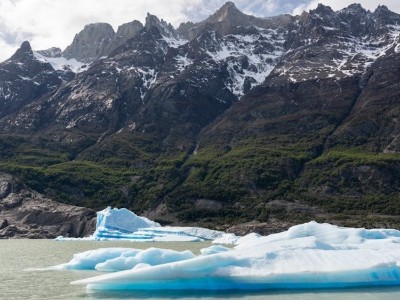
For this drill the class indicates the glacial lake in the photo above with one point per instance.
(17, 255)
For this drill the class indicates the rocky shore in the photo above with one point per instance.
(25, 213)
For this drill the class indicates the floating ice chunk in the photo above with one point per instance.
(227, 238)
(88, 260)
(194, 232)
(118, 259)
(214, 249)
(307, 256)
(149, 257)
(122, 219)
(122, 224)
(176, 238)
(248, 239)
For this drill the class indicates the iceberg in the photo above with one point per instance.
(122, 224)
(118, 259)
(114, 223)
(307, 256)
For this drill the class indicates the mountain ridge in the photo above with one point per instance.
(233, 119)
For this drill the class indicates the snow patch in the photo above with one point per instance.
(182, 62)
(245, 63)
(175, 43)
(61, 63)
(149, 77)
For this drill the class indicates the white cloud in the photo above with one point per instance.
(47, 23)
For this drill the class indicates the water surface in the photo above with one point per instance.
(17, 255)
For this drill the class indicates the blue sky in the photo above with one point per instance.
(47, 23)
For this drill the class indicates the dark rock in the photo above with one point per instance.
(125, 32)
(3, 224)
(91, 43)
(27, 214)
(53, 52)
(23, 79)
(260, 228)
(163, 27)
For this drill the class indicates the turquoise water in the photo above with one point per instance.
(17, 255)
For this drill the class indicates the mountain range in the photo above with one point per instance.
(236, 122)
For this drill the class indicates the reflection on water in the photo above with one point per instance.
(17, 255)
(381, 294)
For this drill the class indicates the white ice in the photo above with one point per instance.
(122, 219)
(307, 256)
(118, 259)
(122, 224)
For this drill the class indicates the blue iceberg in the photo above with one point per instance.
(307, 256)
(119, 259)
(122, 224)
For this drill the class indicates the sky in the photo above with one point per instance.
(48, 23)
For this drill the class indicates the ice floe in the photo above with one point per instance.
(306, 256)
(122, 224)
(118, 259)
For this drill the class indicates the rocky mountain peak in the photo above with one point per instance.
(225, 20)
(227, 12)
(165, 28)
(355, 8)
(383, 12)
(129, 30)
(323, 10)
(382, 8)
(383, 16)
(354, 13)
(24, 51)
(91, 43)
(24, 78)
(51, 52)
(229, 5)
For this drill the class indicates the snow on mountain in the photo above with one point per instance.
(61, 63)
(328, 44)
(249, 58)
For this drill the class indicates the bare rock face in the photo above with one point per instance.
(27, 214)
(267, 228)
(230, 20)
(51, 52)
(125, 32)
(24, 78)
(91, 43)
(165, 29)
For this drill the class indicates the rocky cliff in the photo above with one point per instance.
(27, 214)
